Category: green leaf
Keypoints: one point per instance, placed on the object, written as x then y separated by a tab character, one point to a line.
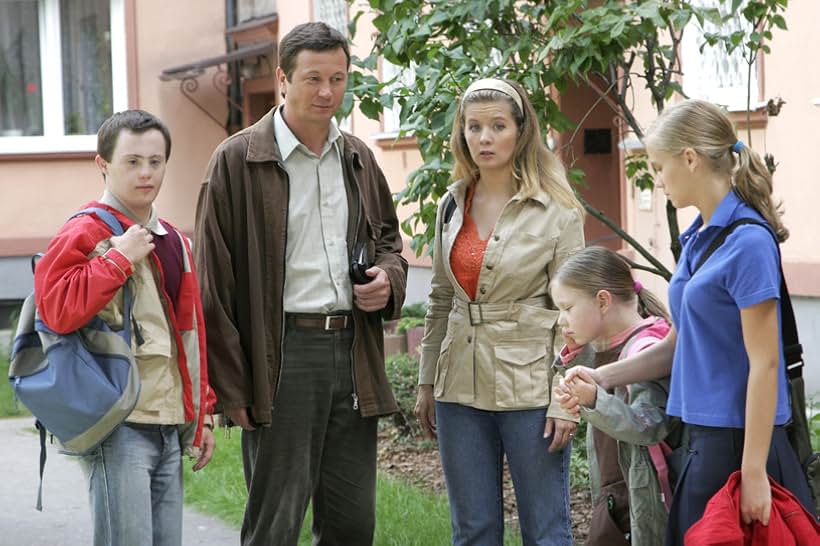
371	109
617	29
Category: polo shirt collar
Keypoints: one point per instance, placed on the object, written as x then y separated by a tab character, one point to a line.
723	216
153	224
725	211
288	142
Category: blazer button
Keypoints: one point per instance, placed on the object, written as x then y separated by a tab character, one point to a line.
489	267
496	238
469	339
483	290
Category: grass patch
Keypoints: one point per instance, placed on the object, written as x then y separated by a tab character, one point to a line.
8	407
405	515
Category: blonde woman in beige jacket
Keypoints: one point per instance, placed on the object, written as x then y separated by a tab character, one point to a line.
502	231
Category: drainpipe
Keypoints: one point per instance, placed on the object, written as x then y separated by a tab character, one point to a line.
234	121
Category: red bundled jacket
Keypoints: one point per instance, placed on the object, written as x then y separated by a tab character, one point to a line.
721	524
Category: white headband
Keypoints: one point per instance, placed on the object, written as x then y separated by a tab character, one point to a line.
494	84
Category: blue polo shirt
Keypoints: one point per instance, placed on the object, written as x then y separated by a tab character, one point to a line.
711	366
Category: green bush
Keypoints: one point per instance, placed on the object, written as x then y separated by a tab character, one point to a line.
418	310
406	323
403	372
814	422
8	406
578	463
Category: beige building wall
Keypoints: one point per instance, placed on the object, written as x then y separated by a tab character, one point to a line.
171	34
793	137
39	191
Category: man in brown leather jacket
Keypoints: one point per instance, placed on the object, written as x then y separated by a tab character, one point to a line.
294	340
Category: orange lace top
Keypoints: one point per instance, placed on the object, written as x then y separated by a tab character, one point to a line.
467	254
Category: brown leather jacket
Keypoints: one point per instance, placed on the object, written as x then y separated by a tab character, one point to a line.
240	240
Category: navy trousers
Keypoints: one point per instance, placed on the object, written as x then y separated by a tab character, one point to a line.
714	453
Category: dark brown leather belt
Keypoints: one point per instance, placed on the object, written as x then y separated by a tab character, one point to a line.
320	322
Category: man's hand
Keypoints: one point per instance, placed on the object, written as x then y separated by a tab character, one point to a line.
561	431
374	295
425	410
206	450
135	244
240	417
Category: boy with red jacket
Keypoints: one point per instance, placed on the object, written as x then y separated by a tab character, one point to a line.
135	475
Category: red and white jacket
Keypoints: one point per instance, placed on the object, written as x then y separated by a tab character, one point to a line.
81	276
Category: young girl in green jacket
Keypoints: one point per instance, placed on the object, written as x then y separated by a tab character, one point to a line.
602	306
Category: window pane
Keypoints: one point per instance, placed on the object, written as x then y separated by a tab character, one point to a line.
21	103
85	27
252	9
332	12
714	74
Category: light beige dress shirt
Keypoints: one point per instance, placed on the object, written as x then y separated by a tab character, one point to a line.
317	278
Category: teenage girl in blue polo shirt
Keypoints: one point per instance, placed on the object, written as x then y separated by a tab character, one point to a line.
725	352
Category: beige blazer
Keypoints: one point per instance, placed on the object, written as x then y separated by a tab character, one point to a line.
495	353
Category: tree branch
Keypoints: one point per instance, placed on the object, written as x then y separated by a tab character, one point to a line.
661	269
619	110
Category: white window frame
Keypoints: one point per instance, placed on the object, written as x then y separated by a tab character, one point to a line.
391	117
345	124
700	84
54	139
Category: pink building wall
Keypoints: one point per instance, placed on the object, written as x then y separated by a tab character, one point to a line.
39	191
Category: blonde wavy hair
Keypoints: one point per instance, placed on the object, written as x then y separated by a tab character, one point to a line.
534	166
705	128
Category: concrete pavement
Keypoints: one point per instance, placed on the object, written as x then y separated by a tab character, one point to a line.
65	519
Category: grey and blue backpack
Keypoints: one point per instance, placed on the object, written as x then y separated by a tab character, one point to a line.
79	386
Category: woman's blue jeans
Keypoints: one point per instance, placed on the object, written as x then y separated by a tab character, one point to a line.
472	444
135	487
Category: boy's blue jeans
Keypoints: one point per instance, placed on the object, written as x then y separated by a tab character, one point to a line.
472	444
135	487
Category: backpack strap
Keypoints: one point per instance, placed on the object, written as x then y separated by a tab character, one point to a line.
110	220
658	453
41	429
449	208
116	229
792	350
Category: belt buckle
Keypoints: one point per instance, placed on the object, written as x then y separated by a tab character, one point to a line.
480	313
329	322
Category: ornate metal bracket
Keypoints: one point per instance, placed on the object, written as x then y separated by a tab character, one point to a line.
220	81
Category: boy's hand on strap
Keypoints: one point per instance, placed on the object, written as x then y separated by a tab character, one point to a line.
135	244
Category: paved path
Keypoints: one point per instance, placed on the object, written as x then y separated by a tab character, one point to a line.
65	520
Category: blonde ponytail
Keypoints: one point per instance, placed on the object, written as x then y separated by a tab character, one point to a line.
754	184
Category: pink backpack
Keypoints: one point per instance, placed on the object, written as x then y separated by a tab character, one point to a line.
658	452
